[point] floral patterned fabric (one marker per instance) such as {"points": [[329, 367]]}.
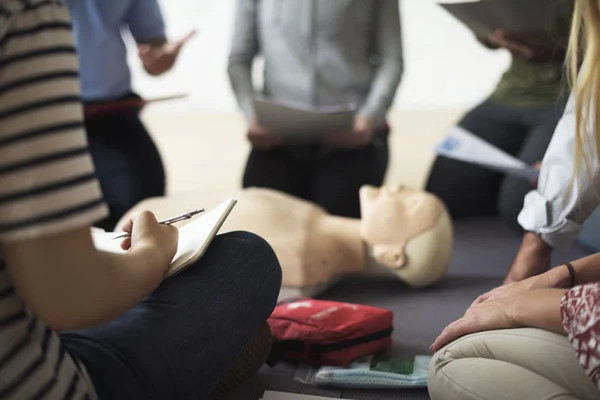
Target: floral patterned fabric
{"points": [[580, 309]]}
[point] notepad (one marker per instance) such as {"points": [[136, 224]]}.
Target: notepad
{"points": [[293, 121], [483, 17], [194, 238]]}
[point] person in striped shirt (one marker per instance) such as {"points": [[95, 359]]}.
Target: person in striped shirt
{"points": [[75, 322]]}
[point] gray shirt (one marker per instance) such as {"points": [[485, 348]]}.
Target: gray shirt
{"points": [[558, 209], [319, 53]]}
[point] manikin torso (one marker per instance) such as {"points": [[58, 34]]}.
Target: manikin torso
{"points": [[315, 248]]}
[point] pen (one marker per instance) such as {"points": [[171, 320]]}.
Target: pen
{"points": [[169, 221]]}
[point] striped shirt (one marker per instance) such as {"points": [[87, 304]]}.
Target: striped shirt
{"points": [[47, 184]]}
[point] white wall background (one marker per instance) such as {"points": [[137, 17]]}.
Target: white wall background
{"points": [[445, 67]]}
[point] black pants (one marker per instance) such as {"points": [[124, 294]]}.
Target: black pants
{"points": [[328, 177], [127, 162], [471, 191]]}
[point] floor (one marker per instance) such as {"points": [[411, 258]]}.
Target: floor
{"points": [[483, 251]]}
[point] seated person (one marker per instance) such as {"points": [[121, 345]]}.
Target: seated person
{"points": [[519, 118], [128, 164], [319, 53], [520, 335], [76, 322]]}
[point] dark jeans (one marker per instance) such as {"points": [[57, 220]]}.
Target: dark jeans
{"points": [[183, 338], [471, 191], [326, 176], [128, 164]]}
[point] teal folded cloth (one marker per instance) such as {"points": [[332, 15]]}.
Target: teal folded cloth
{"points": [[374, 372]]}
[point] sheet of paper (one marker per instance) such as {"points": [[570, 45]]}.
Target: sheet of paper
{"points": [[485, 16], [294, 121], [462, 145], [270, 395], [195, 237]]}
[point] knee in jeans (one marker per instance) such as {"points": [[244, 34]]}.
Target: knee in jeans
{"points": [[264, 262]]}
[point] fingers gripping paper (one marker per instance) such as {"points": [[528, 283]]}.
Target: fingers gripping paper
{"points": [[194, 237]]}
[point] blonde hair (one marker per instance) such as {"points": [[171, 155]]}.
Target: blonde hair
{"points": [[583, 63]]}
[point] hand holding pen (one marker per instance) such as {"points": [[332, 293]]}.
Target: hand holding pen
{"points": [[169, 221]]}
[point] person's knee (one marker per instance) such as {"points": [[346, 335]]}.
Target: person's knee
{"points": [[436, 379], [260, 260], [440, 382]]}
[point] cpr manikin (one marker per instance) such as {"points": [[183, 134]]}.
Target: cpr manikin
{"points": [[404, 233]]}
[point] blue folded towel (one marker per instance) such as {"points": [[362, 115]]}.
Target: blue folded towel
{"points": [[376, 373]]}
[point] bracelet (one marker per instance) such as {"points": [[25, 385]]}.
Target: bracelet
{"points": [[571, 273]]}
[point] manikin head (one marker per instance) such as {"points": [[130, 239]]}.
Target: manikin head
{"points": [[408, 232]]}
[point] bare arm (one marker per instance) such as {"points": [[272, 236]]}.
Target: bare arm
{"points": [[244, 49], [388, 47], [71, 285], [539, 309], [587, 270]]}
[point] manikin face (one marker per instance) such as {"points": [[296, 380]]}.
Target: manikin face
{"points": [[391, 216]]}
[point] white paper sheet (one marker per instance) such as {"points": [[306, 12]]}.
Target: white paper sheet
{"points": [[518, 16], [462, 145], [294, 121]]}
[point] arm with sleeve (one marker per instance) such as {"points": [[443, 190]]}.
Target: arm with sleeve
{"points": [[145, 21], [388, 46], [244, 48], [557, 209]]}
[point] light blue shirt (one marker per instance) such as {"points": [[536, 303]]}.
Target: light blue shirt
{"points": [[97, 26]]}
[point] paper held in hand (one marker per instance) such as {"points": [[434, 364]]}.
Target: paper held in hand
{"points": [[194, 237], [293, 121], [483, 17], [462, 145]]}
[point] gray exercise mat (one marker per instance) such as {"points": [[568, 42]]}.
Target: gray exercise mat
{"points": [[483, 252]]}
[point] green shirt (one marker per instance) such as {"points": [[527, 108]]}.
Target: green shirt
{"points": [[533, 84]]}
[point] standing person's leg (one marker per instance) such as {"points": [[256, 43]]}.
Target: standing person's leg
{"points": [[128, 164], [182, 340], [508, 365], [339, 175], [543, 122], [286, 169], [469, 190]]}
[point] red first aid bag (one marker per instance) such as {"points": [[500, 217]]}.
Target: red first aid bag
{"points": [[328, 332]]}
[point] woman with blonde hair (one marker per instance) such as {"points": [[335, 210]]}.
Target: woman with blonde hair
{"points": [[540, 338]]}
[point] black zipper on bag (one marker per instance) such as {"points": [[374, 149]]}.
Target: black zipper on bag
{"points": [[315, 351], [296, 346], [324, 348]]}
